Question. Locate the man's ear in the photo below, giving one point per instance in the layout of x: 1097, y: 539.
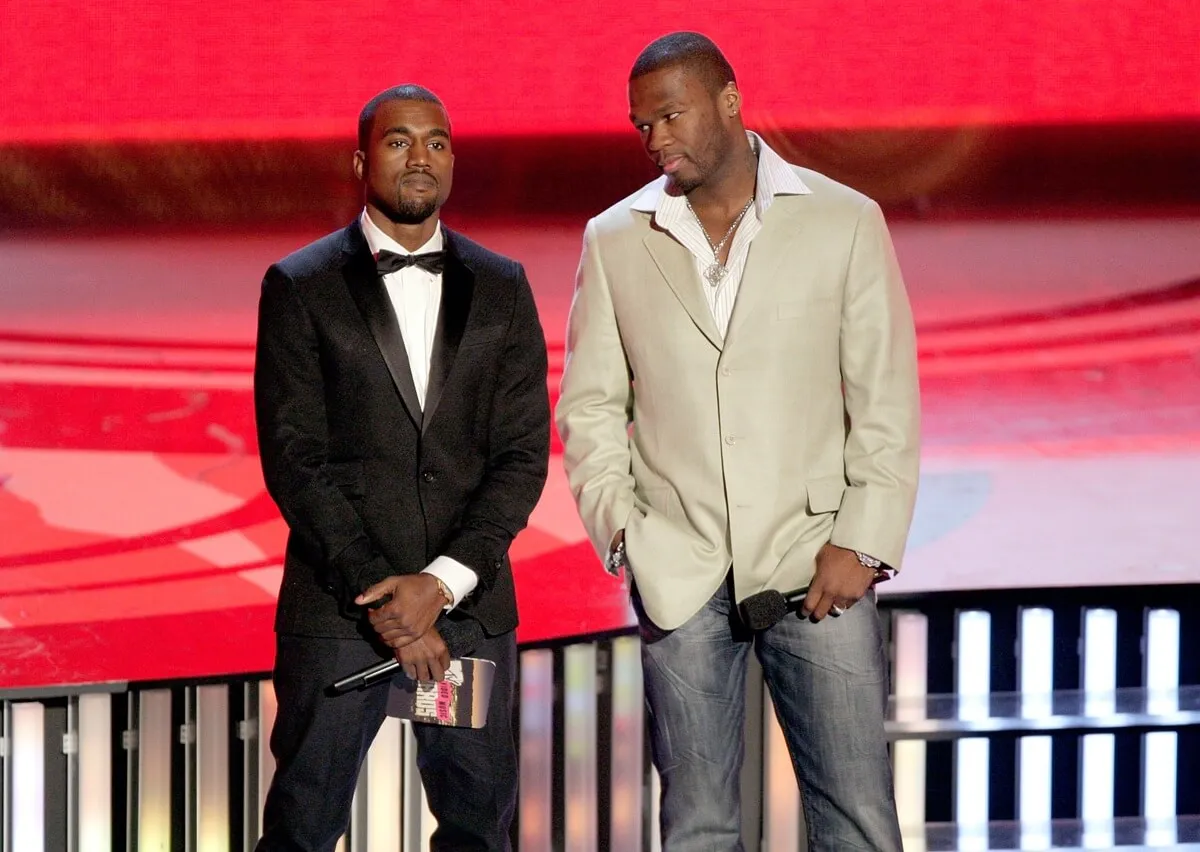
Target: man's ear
x: 360, y: 164
x: 731, y: 99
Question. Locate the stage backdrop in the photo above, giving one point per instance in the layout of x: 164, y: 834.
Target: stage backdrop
x: 76, y: 69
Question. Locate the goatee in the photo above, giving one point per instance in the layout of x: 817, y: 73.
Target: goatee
x: 408, y: 212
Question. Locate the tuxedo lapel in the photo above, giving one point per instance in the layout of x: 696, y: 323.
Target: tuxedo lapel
x: 676, y: 265
x: 458, y: 286
x: 376, y: 309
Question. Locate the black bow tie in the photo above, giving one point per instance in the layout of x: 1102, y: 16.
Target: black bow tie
x: 387, y: 262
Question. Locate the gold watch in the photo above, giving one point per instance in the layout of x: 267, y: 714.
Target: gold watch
x: 443, y: 590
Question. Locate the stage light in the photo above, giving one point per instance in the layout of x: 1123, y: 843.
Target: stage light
x: 1036, y: 651
x: 156, y: 737
x: 95, y: 772
x: 628, y: 744
x: 1160, y: 749
x: 910, y: 646
x: 1097, y: 751
x: 384, y: 788
x: 579, y: 740
x: 537, y: 749
x: 27, y: 730
x: 973, y: 667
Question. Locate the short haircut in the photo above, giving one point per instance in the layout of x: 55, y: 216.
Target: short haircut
x: 406, y: 92
x: 693, y: 51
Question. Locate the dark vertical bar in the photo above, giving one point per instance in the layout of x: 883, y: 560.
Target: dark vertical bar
x: 119, y: 769
x: 181, y: 768
x: 1188, y: 768
x: 71, y: 747
x: 240, y: 764
x: 939, y: 754
x: 514, y: 829
x: 604, y: 751
x: 558, y: 792
x: 55, y: 768
x: 648, y: 793
x: 1065, y: 752
x: 1127, y: 746
x: 129, y: 742
x: 1002, y: 758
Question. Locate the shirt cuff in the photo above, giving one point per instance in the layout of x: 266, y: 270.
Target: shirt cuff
x: 459, y: 579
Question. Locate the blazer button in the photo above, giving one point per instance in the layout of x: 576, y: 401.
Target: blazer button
x: 730, y: 440
x: 428, y: 476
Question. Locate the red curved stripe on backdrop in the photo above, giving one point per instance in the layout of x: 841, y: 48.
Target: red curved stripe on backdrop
x: 256, y: 510
x: 147, y: 580
x: 118, y: 342
x: 1179, y: 292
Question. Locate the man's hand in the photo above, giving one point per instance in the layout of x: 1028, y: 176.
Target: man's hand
x: 840, y: 580
x: 426, y: 658
x: 411, y: 612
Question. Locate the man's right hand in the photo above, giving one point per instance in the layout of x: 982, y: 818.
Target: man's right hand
x: 413, y: 605
x: 615, y: 559
x: 426, y: 658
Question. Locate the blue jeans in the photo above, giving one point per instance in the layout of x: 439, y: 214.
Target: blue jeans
x: 829, y: 686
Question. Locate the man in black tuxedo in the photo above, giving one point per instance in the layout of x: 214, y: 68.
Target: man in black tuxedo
x: 404, y: 427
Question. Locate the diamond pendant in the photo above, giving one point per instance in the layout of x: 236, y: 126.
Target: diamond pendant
x: 713, y: 274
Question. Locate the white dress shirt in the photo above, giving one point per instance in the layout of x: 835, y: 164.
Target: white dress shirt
x: 671, y: 213
x: 416, y: 297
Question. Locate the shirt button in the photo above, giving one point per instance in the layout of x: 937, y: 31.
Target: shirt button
x: 428, y: 476
x: 730, y: 440
x: 725, y: 371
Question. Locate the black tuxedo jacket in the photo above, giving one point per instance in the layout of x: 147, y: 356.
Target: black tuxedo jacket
x: 369, y: 484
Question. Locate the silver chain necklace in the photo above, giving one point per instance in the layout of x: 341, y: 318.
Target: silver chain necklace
x: 715, y: 271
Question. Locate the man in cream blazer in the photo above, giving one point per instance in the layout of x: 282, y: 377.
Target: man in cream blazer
x: 739, y: 411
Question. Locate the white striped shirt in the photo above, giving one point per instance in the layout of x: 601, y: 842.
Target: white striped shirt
x: 775, y: 177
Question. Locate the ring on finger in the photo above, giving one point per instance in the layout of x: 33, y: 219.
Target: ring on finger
x: 836, y: 610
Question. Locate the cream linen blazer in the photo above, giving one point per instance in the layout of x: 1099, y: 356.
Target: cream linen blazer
x: 798, y: 428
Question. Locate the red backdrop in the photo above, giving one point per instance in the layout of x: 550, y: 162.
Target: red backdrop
x: 76, y: 69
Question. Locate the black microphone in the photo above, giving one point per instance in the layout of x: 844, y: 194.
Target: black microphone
x: 768, y: 607
x: 366, y: 677
x: 371, y: 674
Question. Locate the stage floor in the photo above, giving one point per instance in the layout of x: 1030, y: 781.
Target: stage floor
x: 1061, y: 398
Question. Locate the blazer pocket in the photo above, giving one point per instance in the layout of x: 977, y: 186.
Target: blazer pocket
x: 804, y: 308
x: 661, y: 499
x: 825, y: 494
x: 349, y: 477
x: 480, y: 336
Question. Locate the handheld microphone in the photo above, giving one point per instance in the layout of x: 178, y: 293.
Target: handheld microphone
x: 371, y: 674
x: 767, y: 608
x: 366, y: 677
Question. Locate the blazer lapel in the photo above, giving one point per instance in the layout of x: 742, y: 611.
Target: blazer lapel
x: 676, y: 265
x: 376, y: 309
x: 767, y: 253
x: 458, y: 286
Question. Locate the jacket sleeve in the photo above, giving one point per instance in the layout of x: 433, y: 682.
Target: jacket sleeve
x: 518, y: 447
x: 289, y: 406
x: 596, y: 404
x: 879, y: 378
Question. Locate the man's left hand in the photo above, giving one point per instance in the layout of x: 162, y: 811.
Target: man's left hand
x: 415, y: 605
x: 840, y: 580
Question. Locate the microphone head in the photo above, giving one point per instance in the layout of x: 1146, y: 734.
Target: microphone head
x: 764, y: 609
